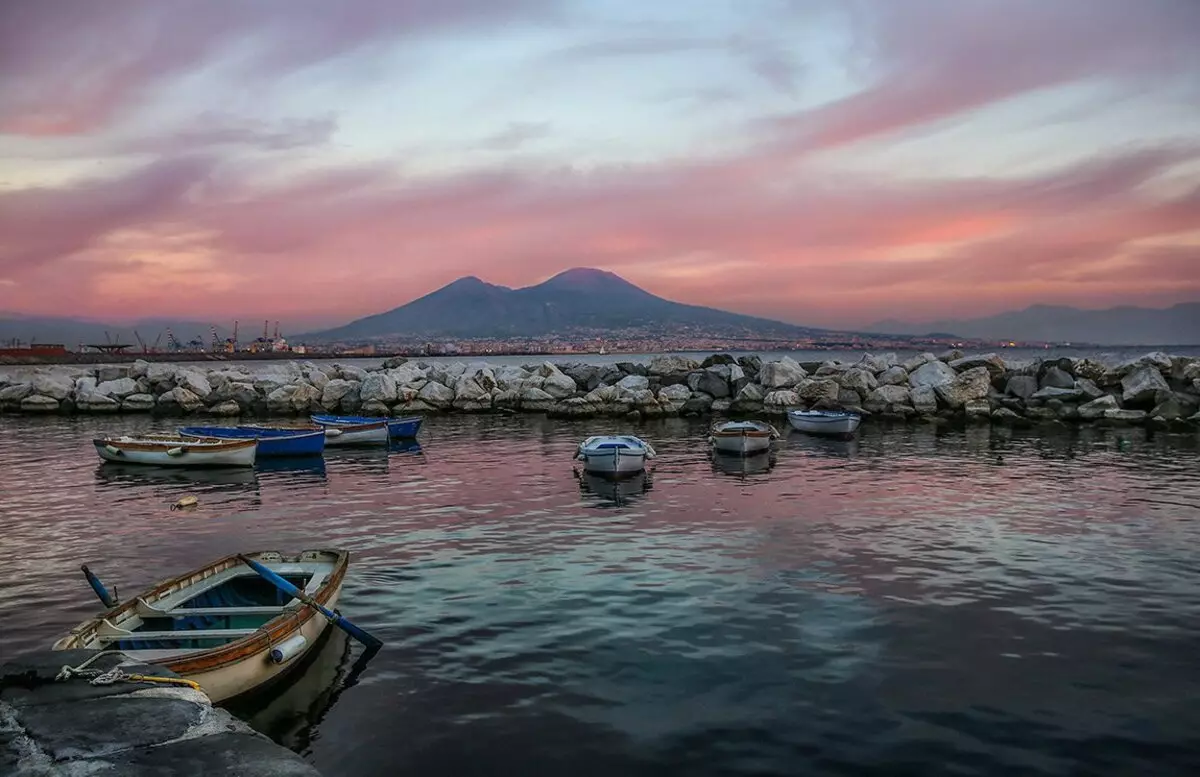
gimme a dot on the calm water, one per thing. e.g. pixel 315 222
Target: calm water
pixel 917 602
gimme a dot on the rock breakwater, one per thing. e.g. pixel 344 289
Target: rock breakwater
pixel 1157 389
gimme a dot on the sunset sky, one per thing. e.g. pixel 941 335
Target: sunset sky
pixel 823 162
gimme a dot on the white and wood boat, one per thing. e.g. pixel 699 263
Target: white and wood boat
pixel 372 433
pixel 742 438
pixel 173 450
pixel 614 454
pixel 222 625
pixel 824 421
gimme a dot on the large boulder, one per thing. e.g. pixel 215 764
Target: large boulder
pixel 699 404
pixel 994 364
pixel 818 389
pixel 180 399
pixel 672 365
pixel 411 372
pixel 139 369
pixel 1088 388
pixel 1021 386
pixel 436 395
pixel 749 399
pixel 924 399
pixel 536 400
pixel 672 398
pixel 966 386
pixel 512 378
pixel 1156 360
pixel 161 376
pixel 350 372
pixel 54 385
pixel 335 390
pixel 280 400
pixel 470 395
pixel 112 372
pixel 786 372
pixel 39 403
pixel 118 388
pixel 893 376
pixel 1061 394
pixel 1142 386
pixel 710 381
pixel 378 387
pixel 889 398
pixel 194 382
pixel 306 398
pixel 556 384
pixel 914 362
pixel 137 403
pixel 91 402
pixel 317 378
pixel 634 383
pixel 932 374
pixel 11 395
pixel 862 381
pixel 1098 407
pixel 1056 377
pixel 1125 416
pixel 778 402
pixel 1088 368
pixel 225 409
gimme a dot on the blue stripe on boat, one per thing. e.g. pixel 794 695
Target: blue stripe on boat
pixel 397 427
pixel 271 441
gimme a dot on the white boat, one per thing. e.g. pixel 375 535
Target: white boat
pixel 375 433
pixel 742 437
pixel 614 454
pixel 222 625
pixel 173 450
pixel 824 421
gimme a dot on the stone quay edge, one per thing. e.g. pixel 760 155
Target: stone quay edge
pixel 1156 389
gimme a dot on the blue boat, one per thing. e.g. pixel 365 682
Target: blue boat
pixel 398 428
pixel 271 441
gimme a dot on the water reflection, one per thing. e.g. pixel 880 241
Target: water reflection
pixel 295 469
pixel 115 474
pixel 743 466
pixel 822 446
pixel 618 491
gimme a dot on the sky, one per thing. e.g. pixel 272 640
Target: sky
pixel 822 162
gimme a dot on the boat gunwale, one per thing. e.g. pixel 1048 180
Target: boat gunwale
pixel 234 651
pixel 297 434
pixel 198 445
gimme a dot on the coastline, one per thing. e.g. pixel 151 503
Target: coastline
pixel 1156 388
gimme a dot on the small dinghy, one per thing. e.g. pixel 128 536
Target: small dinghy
pixel 824 421
pixel 398 428
pixel 742 438
pixel 614 454
pixel 369 433
pixel 224 625
pixel 172 450
pixel 272 441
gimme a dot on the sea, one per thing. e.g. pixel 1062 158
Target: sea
pixel 920 600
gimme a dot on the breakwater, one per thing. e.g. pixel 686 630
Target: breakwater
pixel 1155 388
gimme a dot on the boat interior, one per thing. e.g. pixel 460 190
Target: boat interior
pixel 212 608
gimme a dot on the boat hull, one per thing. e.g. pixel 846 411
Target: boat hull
pixel 398 428
pixel 363 434
pixel 742 443
pixel 271 442
pixel 613 461
pixel 182 453
pixel 237 667
pixel 824 424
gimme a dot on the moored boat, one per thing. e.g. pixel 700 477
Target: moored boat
pixel 742 438
pixel 374 432
pixel 397 427
pixel 222 626
pixel 272 441
pixel 173 450
pixel 614 454
pixel 824 421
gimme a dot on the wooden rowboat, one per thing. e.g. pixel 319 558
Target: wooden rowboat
pixel 824 421
pixel 742 437
pixel 398 428
pixel 272 442
pixel 172 450
pixel 222 625
pixel 614 454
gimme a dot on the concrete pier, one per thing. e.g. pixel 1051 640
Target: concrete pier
pixel 52 727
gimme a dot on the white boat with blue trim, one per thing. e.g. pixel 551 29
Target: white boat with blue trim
pixel 824 421
pixel 742 438
pixel 608 454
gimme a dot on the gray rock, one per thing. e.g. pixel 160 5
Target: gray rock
pixel 573 407
pixel 111 372
pixel 950 355
pixel 1125 416
pixel 54 385
pixel 225 409
pixel 932 374
pixel 1156 360
pixel 709 382
pixel 829 369
pixel 556 384
pixel 1141 386
pixel 137 403
pixel 306 398
pixel 859 380
pixel 1088 368
pixel 978 408
pixel 818 389
pixel 888 399
pixel 673 398
pixel 118 388
pixel 180 398
pixel 161 376
pixel 394 362
pixel 1055 377
pixel 669 365
pixel 1022 386
pixel 1062 394
pixel 700 404
pixel 15 393
pixel 634 383
pixel 333 392
pixel 317 378
pixel 1088 388
pixel 91 402
pixel 441 397
pixel 786 372
pixel 350 372
pixel 1190 372
pixel 750 365
pixel 1006 417
pixel 511 378
pixel 83 385
pixel 471 396
pixel 1098 407
pixel 1169 410
pixel 280 400
pixel 994 364
pixel 718 358
pixel 139 368
pixel 779 401
pixel 894 376
pixel 39 403
pixel 966 386
pixel 375 408
pixel 849 398
pixel 194 382
pixel 378 387
pixel 737 379
pixel 913 362
pixel 535 400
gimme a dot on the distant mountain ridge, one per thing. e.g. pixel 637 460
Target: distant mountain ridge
pixel 576 300
pixel 1125 325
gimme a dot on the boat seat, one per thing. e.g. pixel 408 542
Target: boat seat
pixel 150 611
pixel 155 636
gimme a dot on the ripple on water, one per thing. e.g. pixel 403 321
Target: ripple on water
pixel 913 601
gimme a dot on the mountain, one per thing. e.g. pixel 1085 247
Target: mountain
pixel 576 300
pixel 73 331
pixel 1178 325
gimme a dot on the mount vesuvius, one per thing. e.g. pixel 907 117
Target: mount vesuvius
pixel 575 301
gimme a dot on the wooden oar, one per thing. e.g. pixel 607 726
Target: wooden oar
pixel 337 620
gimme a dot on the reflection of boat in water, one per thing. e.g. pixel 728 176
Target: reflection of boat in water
pixel 735 464
pixel 296 468
pixel 287 712
pixel 615 489
pixel 112 472
pixel 404 445
pixel 823 446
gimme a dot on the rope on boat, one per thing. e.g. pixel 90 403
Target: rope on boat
pixel 116 675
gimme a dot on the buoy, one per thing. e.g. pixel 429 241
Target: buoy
pixel 186 501
pixel 114 450
pixel 176 451
pixel 288 649
pixel 333 432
